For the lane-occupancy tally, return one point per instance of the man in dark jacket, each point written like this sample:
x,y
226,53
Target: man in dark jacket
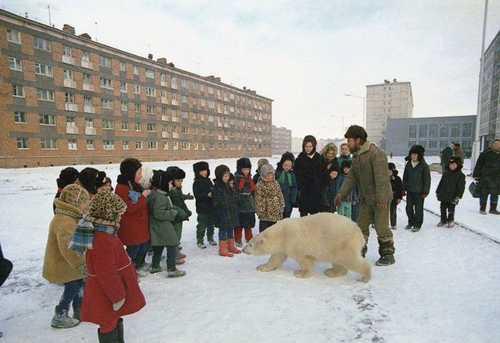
x,y
450,190
446,154
417,184
487,172
397,193
202,190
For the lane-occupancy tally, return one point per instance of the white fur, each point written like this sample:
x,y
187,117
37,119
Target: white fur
x,y
147,174
323,237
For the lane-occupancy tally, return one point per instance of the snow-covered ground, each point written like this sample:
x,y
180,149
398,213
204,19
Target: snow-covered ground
x,y
443,288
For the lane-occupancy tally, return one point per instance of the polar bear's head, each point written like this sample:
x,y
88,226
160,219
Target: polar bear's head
x,y
257,246
266,242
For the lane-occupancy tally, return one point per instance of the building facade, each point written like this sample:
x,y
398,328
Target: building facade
x,y
66,99
383,101
489,109
433,133
281,140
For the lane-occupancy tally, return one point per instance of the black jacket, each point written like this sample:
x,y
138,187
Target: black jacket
x,y
418,179
397,186
201,187
451,186
226,206
487,169
309,179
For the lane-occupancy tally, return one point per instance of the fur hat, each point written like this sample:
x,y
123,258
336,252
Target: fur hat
x,y
220,171
160,180
176,173
67,176
265,170
88,179
417,149
75,195
129,168
457,160
356,131
261,162
287,156
243,162
106,208
391,166
200,166
345,164
309,139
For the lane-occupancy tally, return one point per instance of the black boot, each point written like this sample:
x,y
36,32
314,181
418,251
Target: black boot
x,y
386,251
385,260
110,337
493,209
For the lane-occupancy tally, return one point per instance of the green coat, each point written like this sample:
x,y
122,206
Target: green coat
x,y
369,172
179,200
162,215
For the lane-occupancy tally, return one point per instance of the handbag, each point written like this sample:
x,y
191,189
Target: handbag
x,y
474,189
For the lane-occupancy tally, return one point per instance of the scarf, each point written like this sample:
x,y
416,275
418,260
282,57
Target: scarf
x,y
83,238
285,177
244,180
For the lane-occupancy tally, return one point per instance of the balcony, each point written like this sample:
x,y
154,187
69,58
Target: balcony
x,y
164,118
175,102
164,134
90,131
87,64
164,100
88,87
88,109
71,107
71,128
164,83
175,135
69,83
68,60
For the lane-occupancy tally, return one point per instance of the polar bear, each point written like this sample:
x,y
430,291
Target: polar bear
x,y
323,237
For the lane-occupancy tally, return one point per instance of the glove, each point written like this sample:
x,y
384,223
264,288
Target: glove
x,y
189,196
455,201
117,306
134,196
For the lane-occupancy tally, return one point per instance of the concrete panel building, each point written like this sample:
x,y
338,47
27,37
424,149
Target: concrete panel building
x,y
434,133
66,99
281,140
383,101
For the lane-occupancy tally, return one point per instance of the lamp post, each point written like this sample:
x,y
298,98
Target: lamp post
x,y
363,99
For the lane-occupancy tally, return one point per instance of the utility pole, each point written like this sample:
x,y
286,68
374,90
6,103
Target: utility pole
x,y
50,18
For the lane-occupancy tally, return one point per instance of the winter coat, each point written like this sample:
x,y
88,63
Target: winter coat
x,y
226,206
179,201
451,186
397,186
369,174
201,187
134,225
269,201
111,278
162,215
446,154
342,159
417,179
245,187
288,185
487,169
61,264
330,193
309,178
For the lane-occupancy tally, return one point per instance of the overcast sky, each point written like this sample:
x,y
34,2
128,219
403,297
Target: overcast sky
x,y
303,54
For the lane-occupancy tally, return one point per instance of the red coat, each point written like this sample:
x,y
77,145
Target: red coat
x,y
111,278
134,226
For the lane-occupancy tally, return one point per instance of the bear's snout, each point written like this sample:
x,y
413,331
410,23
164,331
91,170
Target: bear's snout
x,y
246,250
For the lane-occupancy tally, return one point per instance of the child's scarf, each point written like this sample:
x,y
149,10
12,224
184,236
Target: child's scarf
x,y
83,238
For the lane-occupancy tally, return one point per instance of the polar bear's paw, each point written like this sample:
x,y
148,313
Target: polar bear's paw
x,y
302,274
336,271
265,268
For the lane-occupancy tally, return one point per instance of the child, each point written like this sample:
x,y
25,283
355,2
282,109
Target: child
x,y
103,183
62,265
397,193
111,289
416,184
350,206
134,227
203,193
177,175
245,187
332,188
345,153
450,190
67,176
260,163
162,220
226,209
269,200
288,182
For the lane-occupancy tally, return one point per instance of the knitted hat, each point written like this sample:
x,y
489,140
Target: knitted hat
x,y
176,173
129,168
88,179
266,169
356,131
220,171
106,208
200,166
261,162
75,195
243,162
67,176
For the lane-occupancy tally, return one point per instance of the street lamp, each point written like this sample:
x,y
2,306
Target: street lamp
x,y
364,105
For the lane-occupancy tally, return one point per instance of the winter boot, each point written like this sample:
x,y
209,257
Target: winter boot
x,y
408,227
238,235
224,249
441,224
110,337
77,306
155,269
62,320
493,209
212,242
394,228
385,260
201,245
179,254
386,251
248,235
451,224
232,248
415,229
175,273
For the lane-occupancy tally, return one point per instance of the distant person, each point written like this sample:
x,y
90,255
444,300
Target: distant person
x,y
203,193
260,163
345,154
269,202
350,205
446,154
245,187
397,194
329,154
450,190
288,182
487,172
458,151
309,177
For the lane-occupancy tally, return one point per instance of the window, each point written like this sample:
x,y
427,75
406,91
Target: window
x,y
45,94
68,74
163,77
86,56
108,144
107,103
123,67
22,142
184,115
455,130
152,145
138,145
443,131
150,91
433,144
107,124
48,143
467,130
47,119
105,61
18,91
125,125
184,84
137,125
124,105
14,36
174,83
67,51
151,127
136,70
106,83
137,89
150,74
137,108
125,145
20,117
72,144
69,98
87,100
90,144
15,64
43,69
41,44
184,99
87,78
433,130
150,108
123,87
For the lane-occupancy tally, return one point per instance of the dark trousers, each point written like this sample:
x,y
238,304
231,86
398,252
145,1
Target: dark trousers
x,y
483,201
447,211
304,213
264,224
137,253
226,234
287,213
72,294
355,212
415,209
171,256
204,225
394,212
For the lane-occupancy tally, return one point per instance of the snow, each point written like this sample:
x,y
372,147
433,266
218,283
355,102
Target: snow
x,y
443,287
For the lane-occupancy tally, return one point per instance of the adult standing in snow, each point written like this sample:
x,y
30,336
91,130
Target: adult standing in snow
x,y
487,172
309,176
446,154
458,151
369,173
330,162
